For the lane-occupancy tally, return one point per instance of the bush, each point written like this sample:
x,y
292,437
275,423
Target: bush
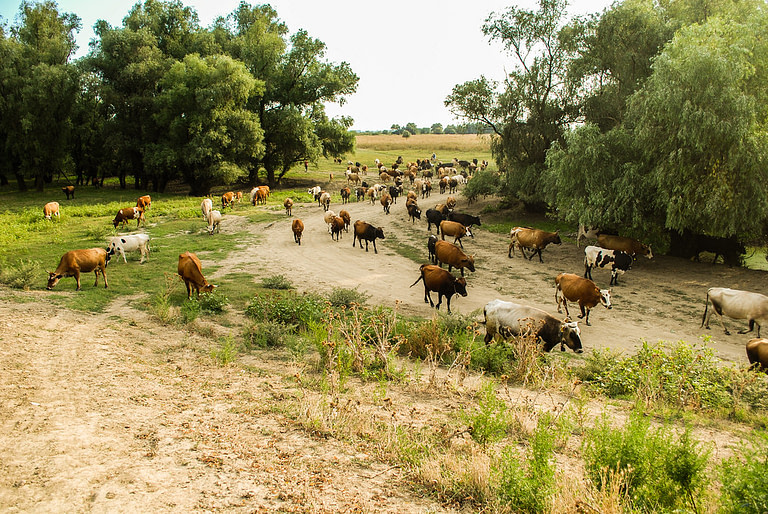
x,y
213,302
22,275
341,297
276,282
483,183
190,310
226,351
269,334
745,477
289,309
491,421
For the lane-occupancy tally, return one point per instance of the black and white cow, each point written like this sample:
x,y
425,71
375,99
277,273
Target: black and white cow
x,y
130,243
509,318
596,257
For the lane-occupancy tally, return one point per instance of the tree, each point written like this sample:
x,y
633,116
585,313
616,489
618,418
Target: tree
x,y
437,128
412,128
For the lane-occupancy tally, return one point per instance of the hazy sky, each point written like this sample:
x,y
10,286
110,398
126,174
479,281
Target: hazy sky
x,y
408,54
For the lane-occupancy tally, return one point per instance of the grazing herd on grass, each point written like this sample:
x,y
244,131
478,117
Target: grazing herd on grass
x,y
500,317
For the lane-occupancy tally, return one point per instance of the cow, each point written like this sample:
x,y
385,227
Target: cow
x,y
51,209
143,202
736,304
259,197
337,227
191,272
75,262
288,204
596,257
533,239
690,245
344,214
325,200
345,193
386,201
450,254
239,197
206,206
509,318
130,243
435,217
69,191
394,192
227,200
129,213
465,219
586,232
360,193
431,242
757,353
455,230
366,231
315,192
441,281
298,228
214,222
414,212
624,244
443,185
577,289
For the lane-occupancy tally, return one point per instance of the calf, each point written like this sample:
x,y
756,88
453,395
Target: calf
x,y
577,289
366,231
144,202
757,353
227,200
75,262
533,239
455,230
298,228
325,200
509,318
736,304
450,254
596,257
441,281
345,193
214,222
288,204
431,242
624,244
190,271
206,206
69,191
129,213
130,243
343,214
51,209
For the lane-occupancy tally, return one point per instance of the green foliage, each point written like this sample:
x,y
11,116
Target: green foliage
x,y
745,477
190,311
213,302
22,275
661,470
268,334
289,309
276,282
483,183
344,297
226,351
490,422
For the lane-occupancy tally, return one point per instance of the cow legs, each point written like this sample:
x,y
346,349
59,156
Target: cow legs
x,y
751,327
122,252
104,275
374,246
459,240
585,315
77,279
428,296
588,272
439,301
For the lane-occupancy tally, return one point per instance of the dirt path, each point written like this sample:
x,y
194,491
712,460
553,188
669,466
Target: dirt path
x,y
660,299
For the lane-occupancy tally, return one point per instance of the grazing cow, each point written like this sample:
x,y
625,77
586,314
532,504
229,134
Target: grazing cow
x,y
455,230
214,222
577,289
757,353
51,209
414,212
191,272
69,191
337,227
736,304
441,281
624,244
533,239
298,228
325,200
288,204
259,197
239,197
144,202
131,243
435,217
366,231
343,214
227,200
596,257
345,194
431,242
509,318
206,206
129,213
75,262
353,177
450,254
586,233
465,219
386,201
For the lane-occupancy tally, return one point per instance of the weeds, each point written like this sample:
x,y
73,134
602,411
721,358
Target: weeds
x,y
226,352
276,282
491,421
745,477
22,275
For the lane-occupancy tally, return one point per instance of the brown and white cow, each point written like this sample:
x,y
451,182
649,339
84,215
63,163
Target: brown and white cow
x,y
75,262
228,200
129,213
143,202
513,319
191,272
441,281
570,287
51,209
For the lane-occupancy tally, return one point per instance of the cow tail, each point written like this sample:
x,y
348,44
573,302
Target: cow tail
x,y
417,280
706,306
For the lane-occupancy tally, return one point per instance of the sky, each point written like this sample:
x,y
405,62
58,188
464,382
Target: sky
x,y
408,54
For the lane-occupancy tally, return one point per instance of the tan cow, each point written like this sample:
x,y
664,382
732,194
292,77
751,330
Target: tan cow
x,y
190,271
144,202
757,353
288,204
51,209
227,200
75,262
452,255
455,230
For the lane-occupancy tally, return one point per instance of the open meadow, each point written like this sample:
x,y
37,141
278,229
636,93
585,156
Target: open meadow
x,y
316,379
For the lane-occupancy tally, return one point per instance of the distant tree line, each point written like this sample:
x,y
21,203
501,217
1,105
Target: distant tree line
x,y
650,117
436,128
162,99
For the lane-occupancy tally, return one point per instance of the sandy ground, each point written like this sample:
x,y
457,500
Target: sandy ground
x,y
114,412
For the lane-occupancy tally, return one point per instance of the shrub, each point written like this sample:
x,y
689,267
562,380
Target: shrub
x,y
491,421
289,309
483,183
190,310
276,282
745,477
341,297
226,351
268,334
213,302
22,275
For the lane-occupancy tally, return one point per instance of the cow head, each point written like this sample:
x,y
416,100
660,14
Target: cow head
x,y
647,251
570,335
469,262
379,233
460,286
53,279
469,233
605,298
556,239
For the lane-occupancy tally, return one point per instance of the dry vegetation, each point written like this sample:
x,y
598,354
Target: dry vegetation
x,y
461,143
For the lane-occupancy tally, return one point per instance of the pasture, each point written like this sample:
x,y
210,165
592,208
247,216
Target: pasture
x,y
264,398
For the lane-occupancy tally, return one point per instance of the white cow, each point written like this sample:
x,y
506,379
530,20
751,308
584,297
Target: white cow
x,y
214,222
129,243
206,207
509,318
736,304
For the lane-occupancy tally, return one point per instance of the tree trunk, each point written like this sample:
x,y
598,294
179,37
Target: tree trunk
x,y
271,178
3,179
21,182
39,183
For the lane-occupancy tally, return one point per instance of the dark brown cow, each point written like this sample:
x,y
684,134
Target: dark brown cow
x,y
582,290
386,201
129,213
345,194
75,262
625,244
414,212
191,272
450,254
441,281
366,231
337,227
533,239
69,191
298,228
757,353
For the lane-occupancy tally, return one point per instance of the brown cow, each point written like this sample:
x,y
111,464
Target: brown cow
x,y
69,191
450,204
239,196
74,262
386,201
337,226
582,290
343,214
50,209
259,197
450,254
757,353
191,272
144,202
366,231
533,239
625,244
129,213
298,228
454,229
227,200
345,194
441,281
288,204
